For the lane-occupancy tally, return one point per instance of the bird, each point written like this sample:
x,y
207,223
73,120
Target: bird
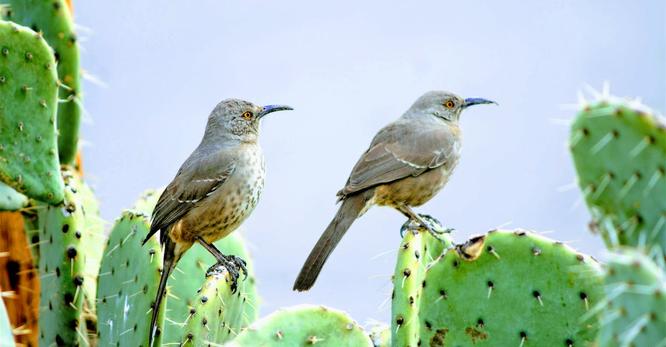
x,y
408,162
214,191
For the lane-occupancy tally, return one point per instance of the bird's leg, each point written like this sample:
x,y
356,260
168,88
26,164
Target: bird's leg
x,y
409,213
230,263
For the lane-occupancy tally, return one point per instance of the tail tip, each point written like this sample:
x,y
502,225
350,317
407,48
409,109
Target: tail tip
x,y
302,286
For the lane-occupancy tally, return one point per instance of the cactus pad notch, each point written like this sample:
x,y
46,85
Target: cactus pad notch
x,y
28,88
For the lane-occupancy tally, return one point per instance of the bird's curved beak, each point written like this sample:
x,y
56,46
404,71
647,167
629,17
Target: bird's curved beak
x,y
477,101
273,108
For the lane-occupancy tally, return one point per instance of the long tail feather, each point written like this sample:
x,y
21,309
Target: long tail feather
x,y
351,208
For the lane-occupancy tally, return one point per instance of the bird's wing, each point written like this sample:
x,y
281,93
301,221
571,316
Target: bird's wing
x,y
191,185
400,150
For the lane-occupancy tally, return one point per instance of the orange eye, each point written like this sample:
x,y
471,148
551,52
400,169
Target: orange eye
x,y
449,104
248,115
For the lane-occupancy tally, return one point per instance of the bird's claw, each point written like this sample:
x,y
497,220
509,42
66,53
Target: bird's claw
x,y
231,264
428,222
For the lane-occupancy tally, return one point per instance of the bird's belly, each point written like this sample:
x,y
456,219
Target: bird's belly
x,y
412,191
225,210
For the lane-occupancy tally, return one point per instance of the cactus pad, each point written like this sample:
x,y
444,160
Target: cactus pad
x,y
10,199
93,239
215,314
28,88
224,313
303,326
54,21
619,150
507,289
62,272
417,250
380,335
127,285
635,313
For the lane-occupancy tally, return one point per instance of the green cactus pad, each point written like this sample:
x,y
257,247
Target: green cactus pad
x,y
62,272
215,314
28,88
303,326
380,335
619,151
6,335
10,199
146,202
417,250
54,21
509,289
635,311
238,311
127,285
93,238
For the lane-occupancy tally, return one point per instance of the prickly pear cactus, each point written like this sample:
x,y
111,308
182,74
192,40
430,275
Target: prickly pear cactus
x,y
54,21
62,271
380,335
6,335
223,313
619,150
28,88
302,326
508,289
146,202
10,199
93,239
417,250
634,313
127,285
215,314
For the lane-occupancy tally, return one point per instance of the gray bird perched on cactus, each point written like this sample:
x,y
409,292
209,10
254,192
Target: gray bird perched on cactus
x,y
407,163
213,192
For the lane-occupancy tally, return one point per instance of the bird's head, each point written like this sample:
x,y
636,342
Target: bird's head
x,y
239,119
443,105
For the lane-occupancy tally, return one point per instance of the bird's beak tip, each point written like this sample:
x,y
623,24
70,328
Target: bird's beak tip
x,y
274,108
478,101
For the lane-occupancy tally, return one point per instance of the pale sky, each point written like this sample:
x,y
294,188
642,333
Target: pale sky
x,y
348,68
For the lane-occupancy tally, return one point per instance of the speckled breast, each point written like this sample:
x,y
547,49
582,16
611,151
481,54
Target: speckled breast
x,y
232,203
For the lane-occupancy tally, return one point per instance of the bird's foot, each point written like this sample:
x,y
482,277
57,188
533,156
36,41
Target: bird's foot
x,y
433,225
231,264
410,224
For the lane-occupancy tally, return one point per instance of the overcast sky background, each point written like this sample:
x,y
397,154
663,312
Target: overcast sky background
x,y
348,68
